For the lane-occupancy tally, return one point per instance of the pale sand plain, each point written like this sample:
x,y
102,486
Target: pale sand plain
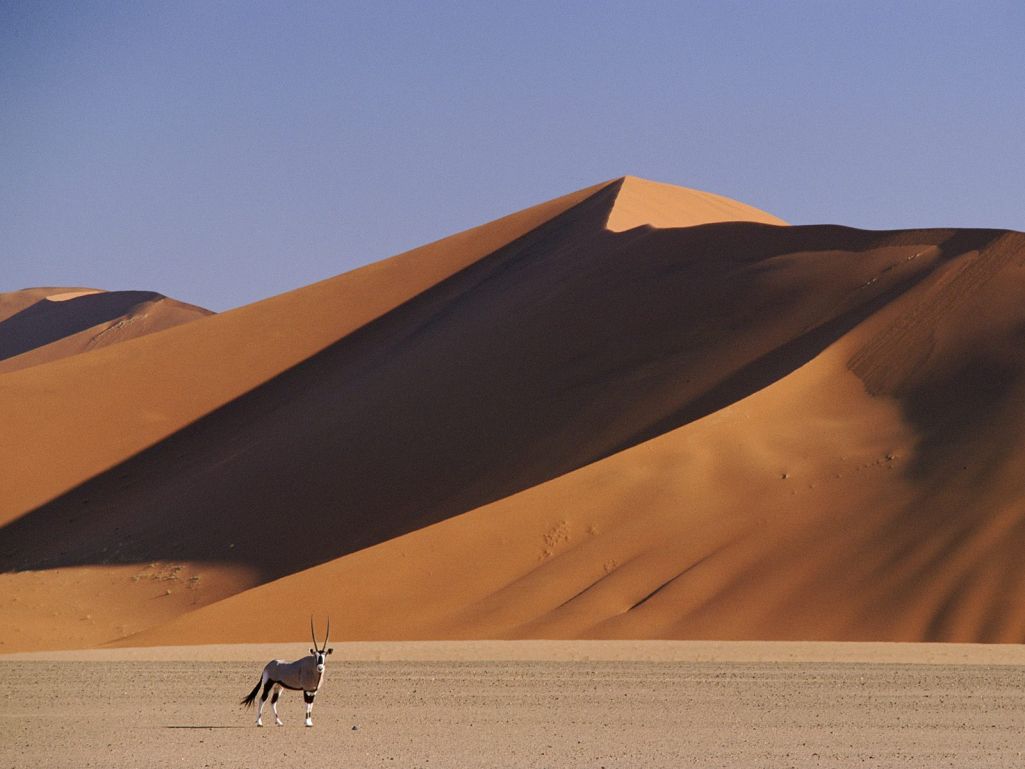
x,y
526,704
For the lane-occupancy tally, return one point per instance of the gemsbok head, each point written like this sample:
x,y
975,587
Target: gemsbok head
x,y
305,675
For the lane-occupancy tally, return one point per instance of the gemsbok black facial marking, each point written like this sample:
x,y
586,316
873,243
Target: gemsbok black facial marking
x,y
304,675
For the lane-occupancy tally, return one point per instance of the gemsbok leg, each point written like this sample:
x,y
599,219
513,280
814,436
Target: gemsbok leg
x,y
274,705
267,686
308,698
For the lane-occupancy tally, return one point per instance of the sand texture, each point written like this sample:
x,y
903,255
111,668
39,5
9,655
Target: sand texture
x,y
636,411
523,713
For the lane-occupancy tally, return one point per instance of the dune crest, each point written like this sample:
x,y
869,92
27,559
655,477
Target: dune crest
x,y
642,202
64,296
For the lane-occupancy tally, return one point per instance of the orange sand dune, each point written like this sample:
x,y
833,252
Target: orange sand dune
x,y
97,410
813,509
38,325
594,428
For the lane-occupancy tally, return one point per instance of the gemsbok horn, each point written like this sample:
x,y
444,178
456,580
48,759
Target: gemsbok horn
x,y
305,675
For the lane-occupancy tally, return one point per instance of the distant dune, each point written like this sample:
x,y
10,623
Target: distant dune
x,y
38,325
637,411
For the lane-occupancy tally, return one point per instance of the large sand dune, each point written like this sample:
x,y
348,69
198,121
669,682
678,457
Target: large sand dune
x,y
633,412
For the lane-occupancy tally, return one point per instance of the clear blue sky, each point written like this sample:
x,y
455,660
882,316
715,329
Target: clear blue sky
x,y
223,152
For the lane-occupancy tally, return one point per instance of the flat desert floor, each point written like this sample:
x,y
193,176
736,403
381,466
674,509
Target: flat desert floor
x,y
528,704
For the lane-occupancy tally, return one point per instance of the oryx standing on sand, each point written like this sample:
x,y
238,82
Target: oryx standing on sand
x,y
304,675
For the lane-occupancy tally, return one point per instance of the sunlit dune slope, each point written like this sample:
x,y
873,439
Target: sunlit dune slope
x,y
38,325
73,419
730,430
97,410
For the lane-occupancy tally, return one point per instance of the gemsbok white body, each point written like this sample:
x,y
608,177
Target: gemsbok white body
x,y
305,675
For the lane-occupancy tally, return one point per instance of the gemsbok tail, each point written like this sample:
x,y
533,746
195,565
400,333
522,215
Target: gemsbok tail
x,y
248,701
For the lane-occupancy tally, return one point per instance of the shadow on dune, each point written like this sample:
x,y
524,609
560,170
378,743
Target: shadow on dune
x,y
954,359
780,361
563,347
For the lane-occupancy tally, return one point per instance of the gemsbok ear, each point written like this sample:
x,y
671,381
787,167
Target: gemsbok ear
x,y
331,651
313,651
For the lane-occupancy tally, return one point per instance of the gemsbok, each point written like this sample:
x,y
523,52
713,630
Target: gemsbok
x,y
305,675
